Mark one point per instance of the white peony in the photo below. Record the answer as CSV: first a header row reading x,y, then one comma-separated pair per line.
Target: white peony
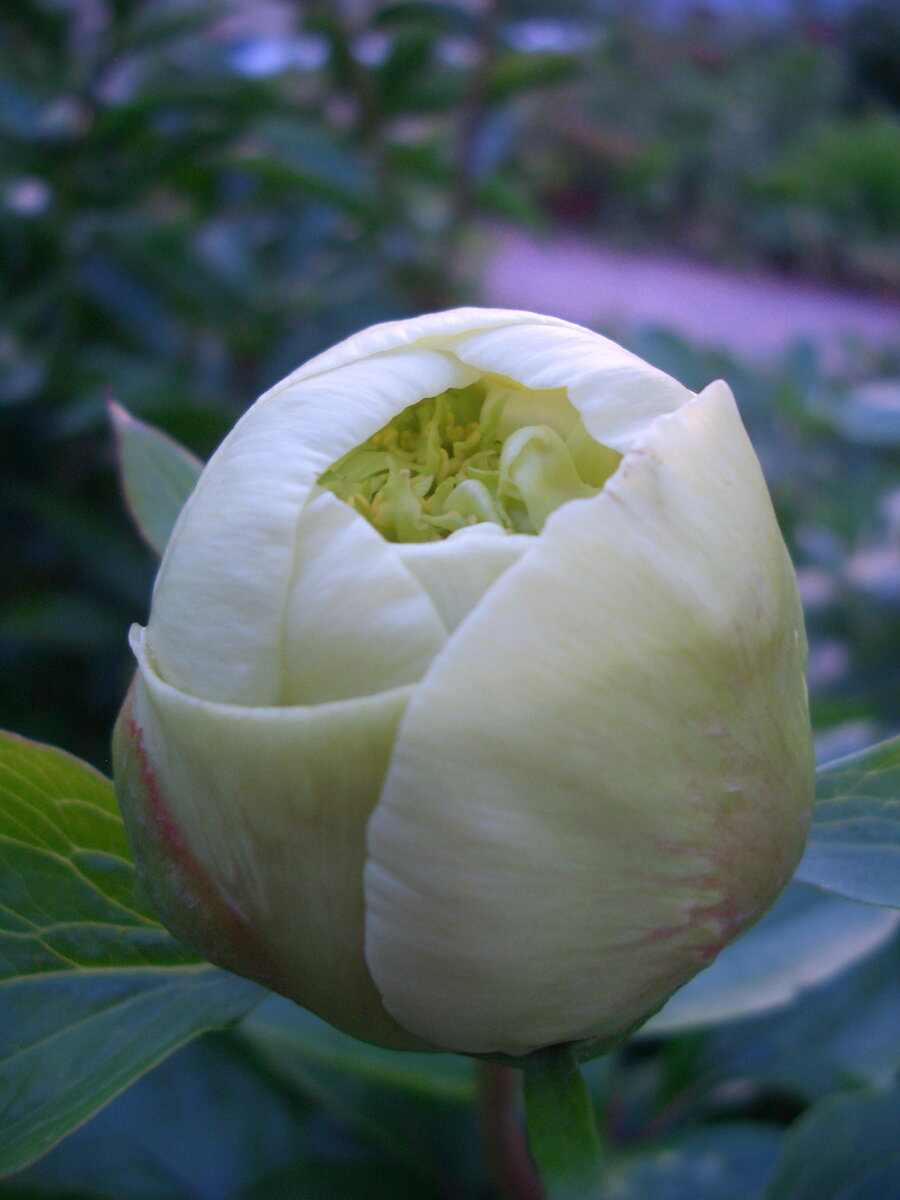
x,y
470,711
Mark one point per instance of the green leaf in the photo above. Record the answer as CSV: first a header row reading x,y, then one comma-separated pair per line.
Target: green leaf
x,y
561,1129
308,159
157,475
845,1031
513,73
806,939
725,1162
854,843
204,1124
405,1107
93,990
280,1031
845,1148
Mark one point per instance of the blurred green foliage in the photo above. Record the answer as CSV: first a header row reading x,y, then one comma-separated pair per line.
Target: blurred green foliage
x,y
189,207
178,230
755,141
850,171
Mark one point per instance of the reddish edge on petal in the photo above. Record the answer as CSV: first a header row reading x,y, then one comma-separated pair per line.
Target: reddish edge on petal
x,y
187,901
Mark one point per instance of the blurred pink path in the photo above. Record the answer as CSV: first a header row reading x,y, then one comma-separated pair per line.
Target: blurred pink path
x,y
750,314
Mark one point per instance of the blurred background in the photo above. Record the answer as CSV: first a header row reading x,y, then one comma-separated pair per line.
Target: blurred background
x,y
197,196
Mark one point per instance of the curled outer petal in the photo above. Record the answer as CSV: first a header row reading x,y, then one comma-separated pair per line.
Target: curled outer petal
x,y
248,826
606,772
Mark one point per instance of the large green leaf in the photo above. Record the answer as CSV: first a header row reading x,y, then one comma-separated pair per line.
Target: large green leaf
x,y
405,1107
844,1031
724,1162
283,1034
157,475
213,1123
845,1148
204,1124
854,844
93,990
806,939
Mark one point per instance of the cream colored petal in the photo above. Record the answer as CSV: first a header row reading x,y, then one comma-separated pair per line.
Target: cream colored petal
x,y
617,393
273,806
607,771
216,627
521,407
357,621
457,571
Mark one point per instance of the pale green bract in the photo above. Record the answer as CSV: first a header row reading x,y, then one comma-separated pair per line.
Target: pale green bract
x,y
470,712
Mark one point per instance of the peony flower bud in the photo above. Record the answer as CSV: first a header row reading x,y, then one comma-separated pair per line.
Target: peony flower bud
x,y
470,711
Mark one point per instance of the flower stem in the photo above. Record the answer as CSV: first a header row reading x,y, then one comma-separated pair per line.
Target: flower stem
x,y
503,1136
561,1129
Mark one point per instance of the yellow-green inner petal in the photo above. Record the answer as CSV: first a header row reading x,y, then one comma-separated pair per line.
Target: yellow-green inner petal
x,y
443,464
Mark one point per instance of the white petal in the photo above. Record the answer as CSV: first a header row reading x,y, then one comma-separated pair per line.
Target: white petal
x,y
217,628
356,621
607,771
457,571
618,394
273,804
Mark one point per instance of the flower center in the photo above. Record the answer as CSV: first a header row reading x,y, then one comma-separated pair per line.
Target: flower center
x,y
451,460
